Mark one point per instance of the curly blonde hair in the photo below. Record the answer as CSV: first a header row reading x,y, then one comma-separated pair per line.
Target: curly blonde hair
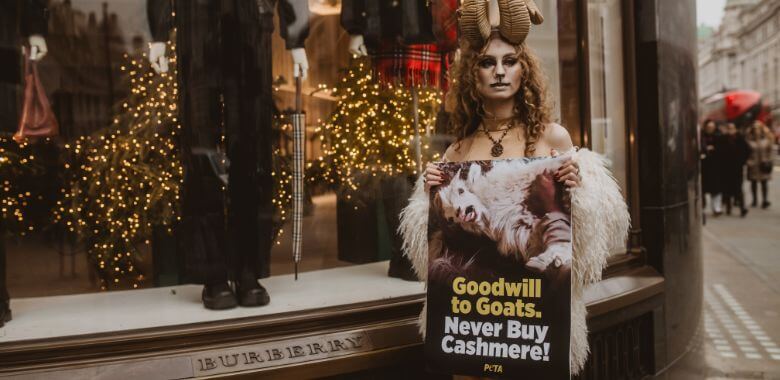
x,y
465,104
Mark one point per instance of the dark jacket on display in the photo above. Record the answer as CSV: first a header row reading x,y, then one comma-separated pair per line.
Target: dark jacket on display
x,y
409,21
293,18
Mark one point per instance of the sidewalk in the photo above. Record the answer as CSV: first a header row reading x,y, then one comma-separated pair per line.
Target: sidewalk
x,y
739,334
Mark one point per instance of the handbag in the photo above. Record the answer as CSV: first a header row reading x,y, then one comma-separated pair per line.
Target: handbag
x,y
37,119
765,167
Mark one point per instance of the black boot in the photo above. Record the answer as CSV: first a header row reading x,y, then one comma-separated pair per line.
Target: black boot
x,y
766,204
5,313
401,267
743,212
218,297
251,293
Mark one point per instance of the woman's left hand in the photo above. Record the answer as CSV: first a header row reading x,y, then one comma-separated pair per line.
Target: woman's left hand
x,y
568,173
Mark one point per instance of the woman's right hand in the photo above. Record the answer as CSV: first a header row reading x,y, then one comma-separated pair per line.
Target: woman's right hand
x,y
432,176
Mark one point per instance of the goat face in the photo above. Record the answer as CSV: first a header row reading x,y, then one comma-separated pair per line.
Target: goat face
x,y
462,207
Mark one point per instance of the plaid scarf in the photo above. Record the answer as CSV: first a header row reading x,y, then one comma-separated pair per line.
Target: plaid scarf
x,y
408,65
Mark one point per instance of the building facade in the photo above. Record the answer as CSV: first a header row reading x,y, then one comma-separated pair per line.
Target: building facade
x,y
744,53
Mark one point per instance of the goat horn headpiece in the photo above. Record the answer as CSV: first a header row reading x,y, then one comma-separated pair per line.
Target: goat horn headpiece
x,y
515,17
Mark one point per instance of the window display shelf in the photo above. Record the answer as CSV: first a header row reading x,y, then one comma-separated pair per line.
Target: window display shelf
x,y
111,312
166,333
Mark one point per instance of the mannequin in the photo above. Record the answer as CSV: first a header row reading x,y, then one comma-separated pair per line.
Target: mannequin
x,y
395,33
224,71
22,23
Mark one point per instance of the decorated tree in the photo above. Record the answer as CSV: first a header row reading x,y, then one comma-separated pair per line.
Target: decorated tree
x,y
30,174
124,180
372,132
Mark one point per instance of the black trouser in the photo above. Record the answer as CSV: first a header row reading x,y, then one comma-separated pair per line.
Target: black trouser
x,y
225,81
736,198
764,190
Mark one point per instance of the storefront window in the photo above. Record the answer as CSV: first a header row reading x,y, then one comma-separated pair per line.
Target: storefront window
x,y
110,201
607,99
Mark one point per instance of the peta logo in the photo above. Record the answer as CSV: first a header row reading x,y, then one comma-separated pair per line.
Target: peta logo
x,y
495,368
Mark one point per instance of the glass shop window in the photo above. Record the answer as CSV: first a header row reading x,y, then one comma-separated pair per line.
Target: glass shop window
x,y
362,159
607,99
159,177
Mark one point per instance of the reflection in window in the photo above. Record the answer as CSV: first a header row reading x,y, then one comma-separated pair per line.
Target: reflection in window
x,y
607,103
95,76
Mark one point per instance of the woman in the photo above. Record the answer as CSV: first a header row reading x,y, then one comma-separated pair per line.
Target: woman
x,y
734,152
711,166
760,163
499,110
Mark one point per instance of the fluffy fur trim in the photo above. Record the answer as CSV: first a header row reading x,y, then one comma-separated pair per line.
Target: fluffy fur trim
x,y
600,222
414,229
600,218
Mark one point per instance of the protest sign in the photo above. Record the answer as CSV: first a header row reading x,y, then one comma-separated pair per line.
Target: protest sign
x,y
499,270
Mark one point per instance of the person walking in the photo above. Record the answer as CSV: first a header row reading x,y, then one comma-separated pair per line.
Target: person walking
x,y
760,163
710,166
734,152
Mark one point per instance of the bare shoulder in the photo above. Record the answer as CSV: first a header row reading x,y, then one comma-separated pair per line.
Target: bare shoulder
x,y
457,150
557,137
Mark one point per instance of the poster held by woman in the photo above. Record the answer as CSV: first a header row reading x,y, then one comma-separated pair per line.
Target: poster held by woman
x,y
499,270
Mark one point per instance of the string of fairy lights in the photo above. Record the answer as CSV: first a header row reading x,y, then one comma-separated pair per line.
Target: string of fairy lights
x,y
16,160
127,178
372,132
123,182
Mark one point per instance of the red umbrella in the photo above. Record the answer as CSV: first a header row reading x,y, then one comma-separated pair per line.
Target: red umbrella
x,y
739,102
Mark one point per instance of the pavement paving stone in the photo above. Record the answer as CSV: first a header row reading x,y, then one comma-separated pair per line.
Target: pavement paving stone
x,y
741,311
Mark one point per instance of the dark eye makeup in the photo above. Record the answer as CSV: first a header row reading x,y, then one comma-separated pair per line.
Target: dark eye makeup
x,y
488,61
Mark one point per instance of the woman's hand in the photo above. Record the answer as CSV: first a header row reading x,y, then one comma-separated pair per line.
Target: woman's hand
x,y
569,172
432,176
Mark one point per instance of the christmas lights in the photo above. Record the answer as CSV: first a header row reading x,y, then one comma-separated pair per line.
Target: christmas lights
x,y
124,180
372,131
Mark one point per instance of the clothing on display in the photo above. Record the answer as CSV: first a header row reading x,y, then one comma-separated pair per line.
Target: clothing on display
x,y
403,46
225,75
408,65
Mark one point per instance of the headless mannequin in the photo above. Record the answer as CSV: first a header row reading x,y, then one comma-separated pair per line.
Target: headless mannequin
x,y
224,71
357,46
376,23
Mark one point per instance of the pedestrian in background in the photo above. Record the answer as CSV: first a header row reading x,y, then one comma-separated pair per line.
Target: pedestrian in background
x,y
710,166
735,152
760,163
